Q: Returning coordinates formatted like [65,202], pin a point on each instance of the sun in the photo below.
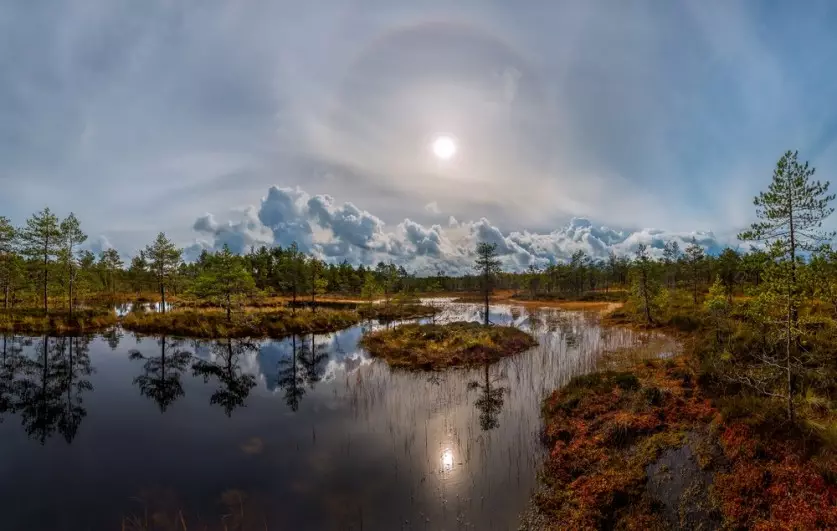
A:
[444,147]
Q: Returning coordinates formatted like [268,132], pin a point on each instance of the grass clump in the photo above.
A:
[395,312]
[603,430]
[214,323]
[30,321]
[436,346]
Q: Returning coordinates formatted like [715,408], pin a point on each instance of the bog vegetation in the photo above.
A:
[759,322]
[754,398]
[434,346]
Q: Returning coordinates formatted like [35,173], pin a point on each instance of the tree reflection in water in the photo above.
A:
[48,394]
[490,401]
[10,363]
[161,378]
[289,376]
[234,387]
[312,357]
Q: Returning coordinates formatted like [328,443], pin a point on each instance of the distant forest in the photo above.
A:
[43,261]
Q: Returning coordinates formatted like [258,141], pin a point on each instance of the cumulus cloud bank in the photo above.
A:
[343,231]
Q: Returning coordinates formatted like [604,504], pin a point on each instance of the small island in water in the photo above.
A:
[437,346]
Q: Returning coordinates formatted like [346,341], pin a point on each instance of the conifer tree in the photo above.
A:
[71,238]
[488,266]
[790,213]
[40,242]
[163,259]
[694,261]
[8,259]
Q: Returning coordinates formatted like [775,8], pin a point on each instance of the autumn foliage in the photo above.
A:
[604,430]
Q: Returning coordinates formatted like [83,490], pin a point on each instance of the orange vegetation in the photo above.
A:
[604,430]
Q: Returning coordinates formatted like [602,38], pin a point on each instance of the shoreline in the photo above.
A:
[667,452]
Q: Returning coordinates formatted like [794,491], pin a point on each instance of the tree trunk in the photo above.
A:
[644,280]
[791,415]
[46,276]
[229,314]
[486,306]
[293,298]
[6,297]
[695,286]
[162,297]
[793,314]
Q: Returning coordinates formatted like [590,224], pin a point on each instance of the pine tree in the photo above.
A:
[318,283]
[694,261]
[71,238]
[111,263]
[671,257]
[40,242]
[8,262]
[790,215]
[225,279]
[717,304]
[645,288]
[290,274]
[488,266]
[163,257]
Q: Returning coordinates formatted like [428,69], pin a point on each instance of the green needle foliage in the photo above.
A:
[790,213]
[487,266]
[163,261]
[224,280]
[40,242]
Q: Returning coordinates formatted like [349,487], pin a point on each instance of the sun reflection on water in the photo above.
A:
[447,460]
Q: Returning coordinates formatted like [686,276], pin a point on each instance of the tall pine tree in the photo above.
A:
[163,259]
[40,242]
[790,215]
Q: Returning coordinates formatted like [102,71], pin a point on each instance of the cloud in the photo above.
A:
[99,244]
[509,78]
[239,236]
[343,231]
[432,207]
[284,212]
[632,115]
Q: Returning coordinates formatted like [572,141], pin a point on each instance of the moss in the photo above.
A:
[213,323]
[433,346]
[20,321]
[603,430]
[395,312]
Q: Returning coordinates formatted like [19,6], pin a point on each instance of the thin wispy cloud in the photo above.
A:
[142,117]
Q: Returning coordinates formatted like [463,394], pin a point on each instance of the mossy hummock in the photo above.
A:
[437,346]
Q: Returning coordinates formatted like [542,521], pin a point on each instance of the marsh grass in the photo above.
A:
[396,312]
[213,323]
[436,346]
[56,322]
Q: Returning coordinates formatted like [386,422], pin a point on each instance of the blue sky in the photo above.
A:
[649,119]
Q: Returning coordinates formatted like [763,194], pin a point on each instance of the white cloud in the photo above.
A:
[344,231]
[432,207]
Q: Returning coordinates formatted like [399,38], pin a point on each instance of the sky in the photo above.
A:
[578,125]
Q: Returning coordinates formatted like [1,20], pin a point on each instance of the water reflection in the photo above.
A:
[9,365]
[125,308]
[447,460]
[233,386]
[289,376]
[313,357]
[161,378]
[490,402]
[47,393]
[365,447]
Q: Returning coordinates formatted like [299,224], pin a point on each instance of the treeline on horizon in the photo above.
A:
[43,265]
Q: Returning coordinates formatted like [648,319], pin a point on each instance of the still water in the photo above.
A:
[120,432]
